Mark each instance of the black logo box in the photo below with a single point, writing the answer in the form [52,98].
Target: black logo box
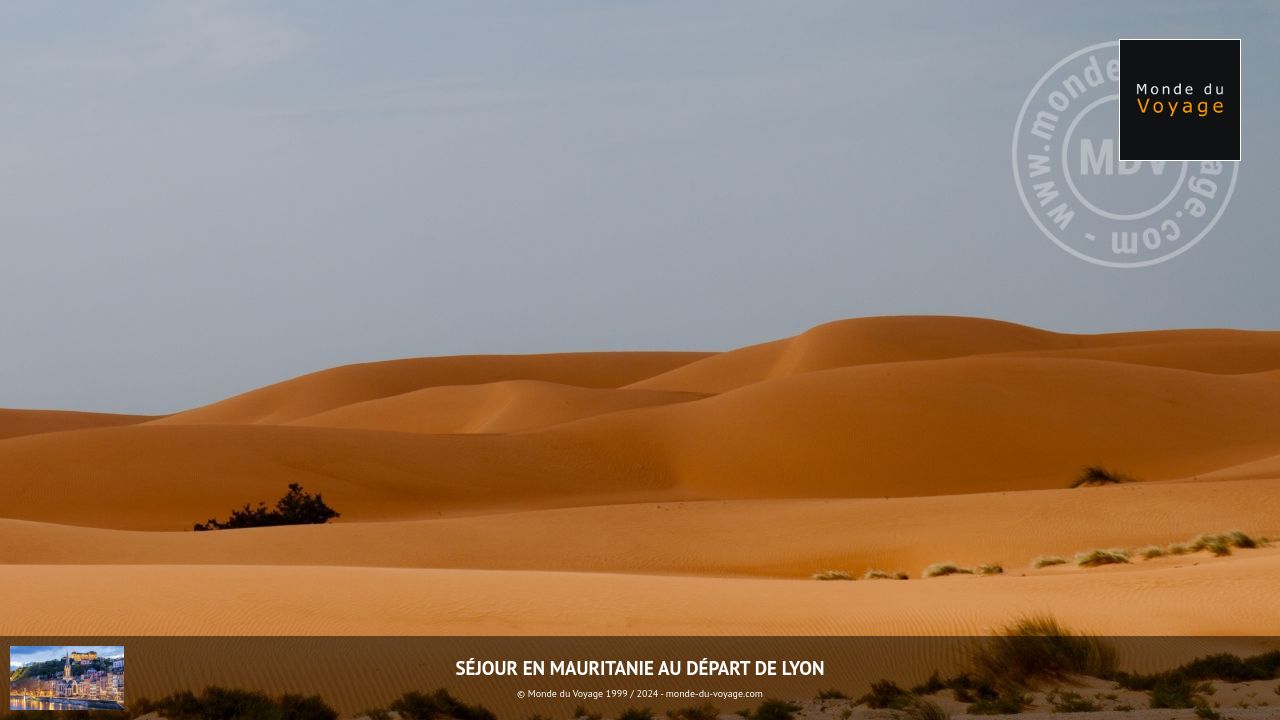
[1186,66]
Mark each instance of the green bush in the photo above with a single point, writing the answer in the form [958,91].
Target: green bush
[832,575]
[1045,561]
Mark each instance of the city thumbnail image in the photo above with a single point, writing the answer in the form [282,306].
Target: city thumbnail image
[63,677]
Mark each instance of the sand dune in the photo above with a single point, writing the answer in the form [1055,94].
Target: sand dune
[328,389]
[159,477]
[502,407]
[707,538]
[865,341]
[17,423]
[945,427]
[651,493]
[266,600]
[966,425]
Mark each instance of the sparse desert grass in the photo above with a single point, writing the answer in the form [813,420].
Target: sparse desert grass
[1099,557]
[990,569]
[1095,475]
[832,575]
[1219,545]
[946,568]
[1040,648]
[886,694]
[775,710]
[1066,701]
[926,710]
[1151,552]
[877,574]
[1244,541]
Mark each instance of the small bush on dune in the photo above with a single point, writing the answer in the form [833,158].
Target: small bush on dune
[1009,702]
[832,575]
[1242,540]
[439,704]
[1204,712]
[1039,648]
[1151,552]
[886,694]
[926,710]
[875,574]
[1173,691]
[832,694]
[295,508]
[1095,475]
[636,714]
[775,710]
[1178,549]
[1045,561]
[934,684]
[217,703]
[990,569]
[1219,545]
[1096,558]
[946,568]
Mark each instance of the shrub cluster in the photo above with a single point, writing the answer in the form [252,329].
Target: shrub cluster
[295,508]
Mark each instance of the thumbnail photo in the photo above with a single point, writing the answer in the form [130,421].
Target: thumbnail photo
[64,677]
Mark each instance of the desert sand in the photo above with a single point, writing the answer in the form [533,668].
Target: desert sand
[674,493]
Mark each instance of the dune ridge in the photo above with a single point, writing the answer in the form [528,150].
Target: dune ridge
[684,492]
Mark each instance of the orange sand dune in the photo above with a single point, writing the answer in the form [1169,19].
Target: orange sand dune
[652,493]
[16,423]
[165,477]
[1235,596]
[328,389]
[1259,353]
[943,427]
[787,538]
[502,407]
[962,425]
[865,341]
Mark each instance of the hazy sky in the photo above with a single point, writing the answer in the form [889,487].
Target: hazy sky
[203,197]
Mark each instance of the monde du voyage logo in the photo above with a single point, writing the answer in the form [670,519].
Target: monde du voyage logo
[1177,172]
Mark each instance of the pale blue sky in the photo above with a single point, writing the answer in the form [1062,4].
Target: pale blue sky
[204,197]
